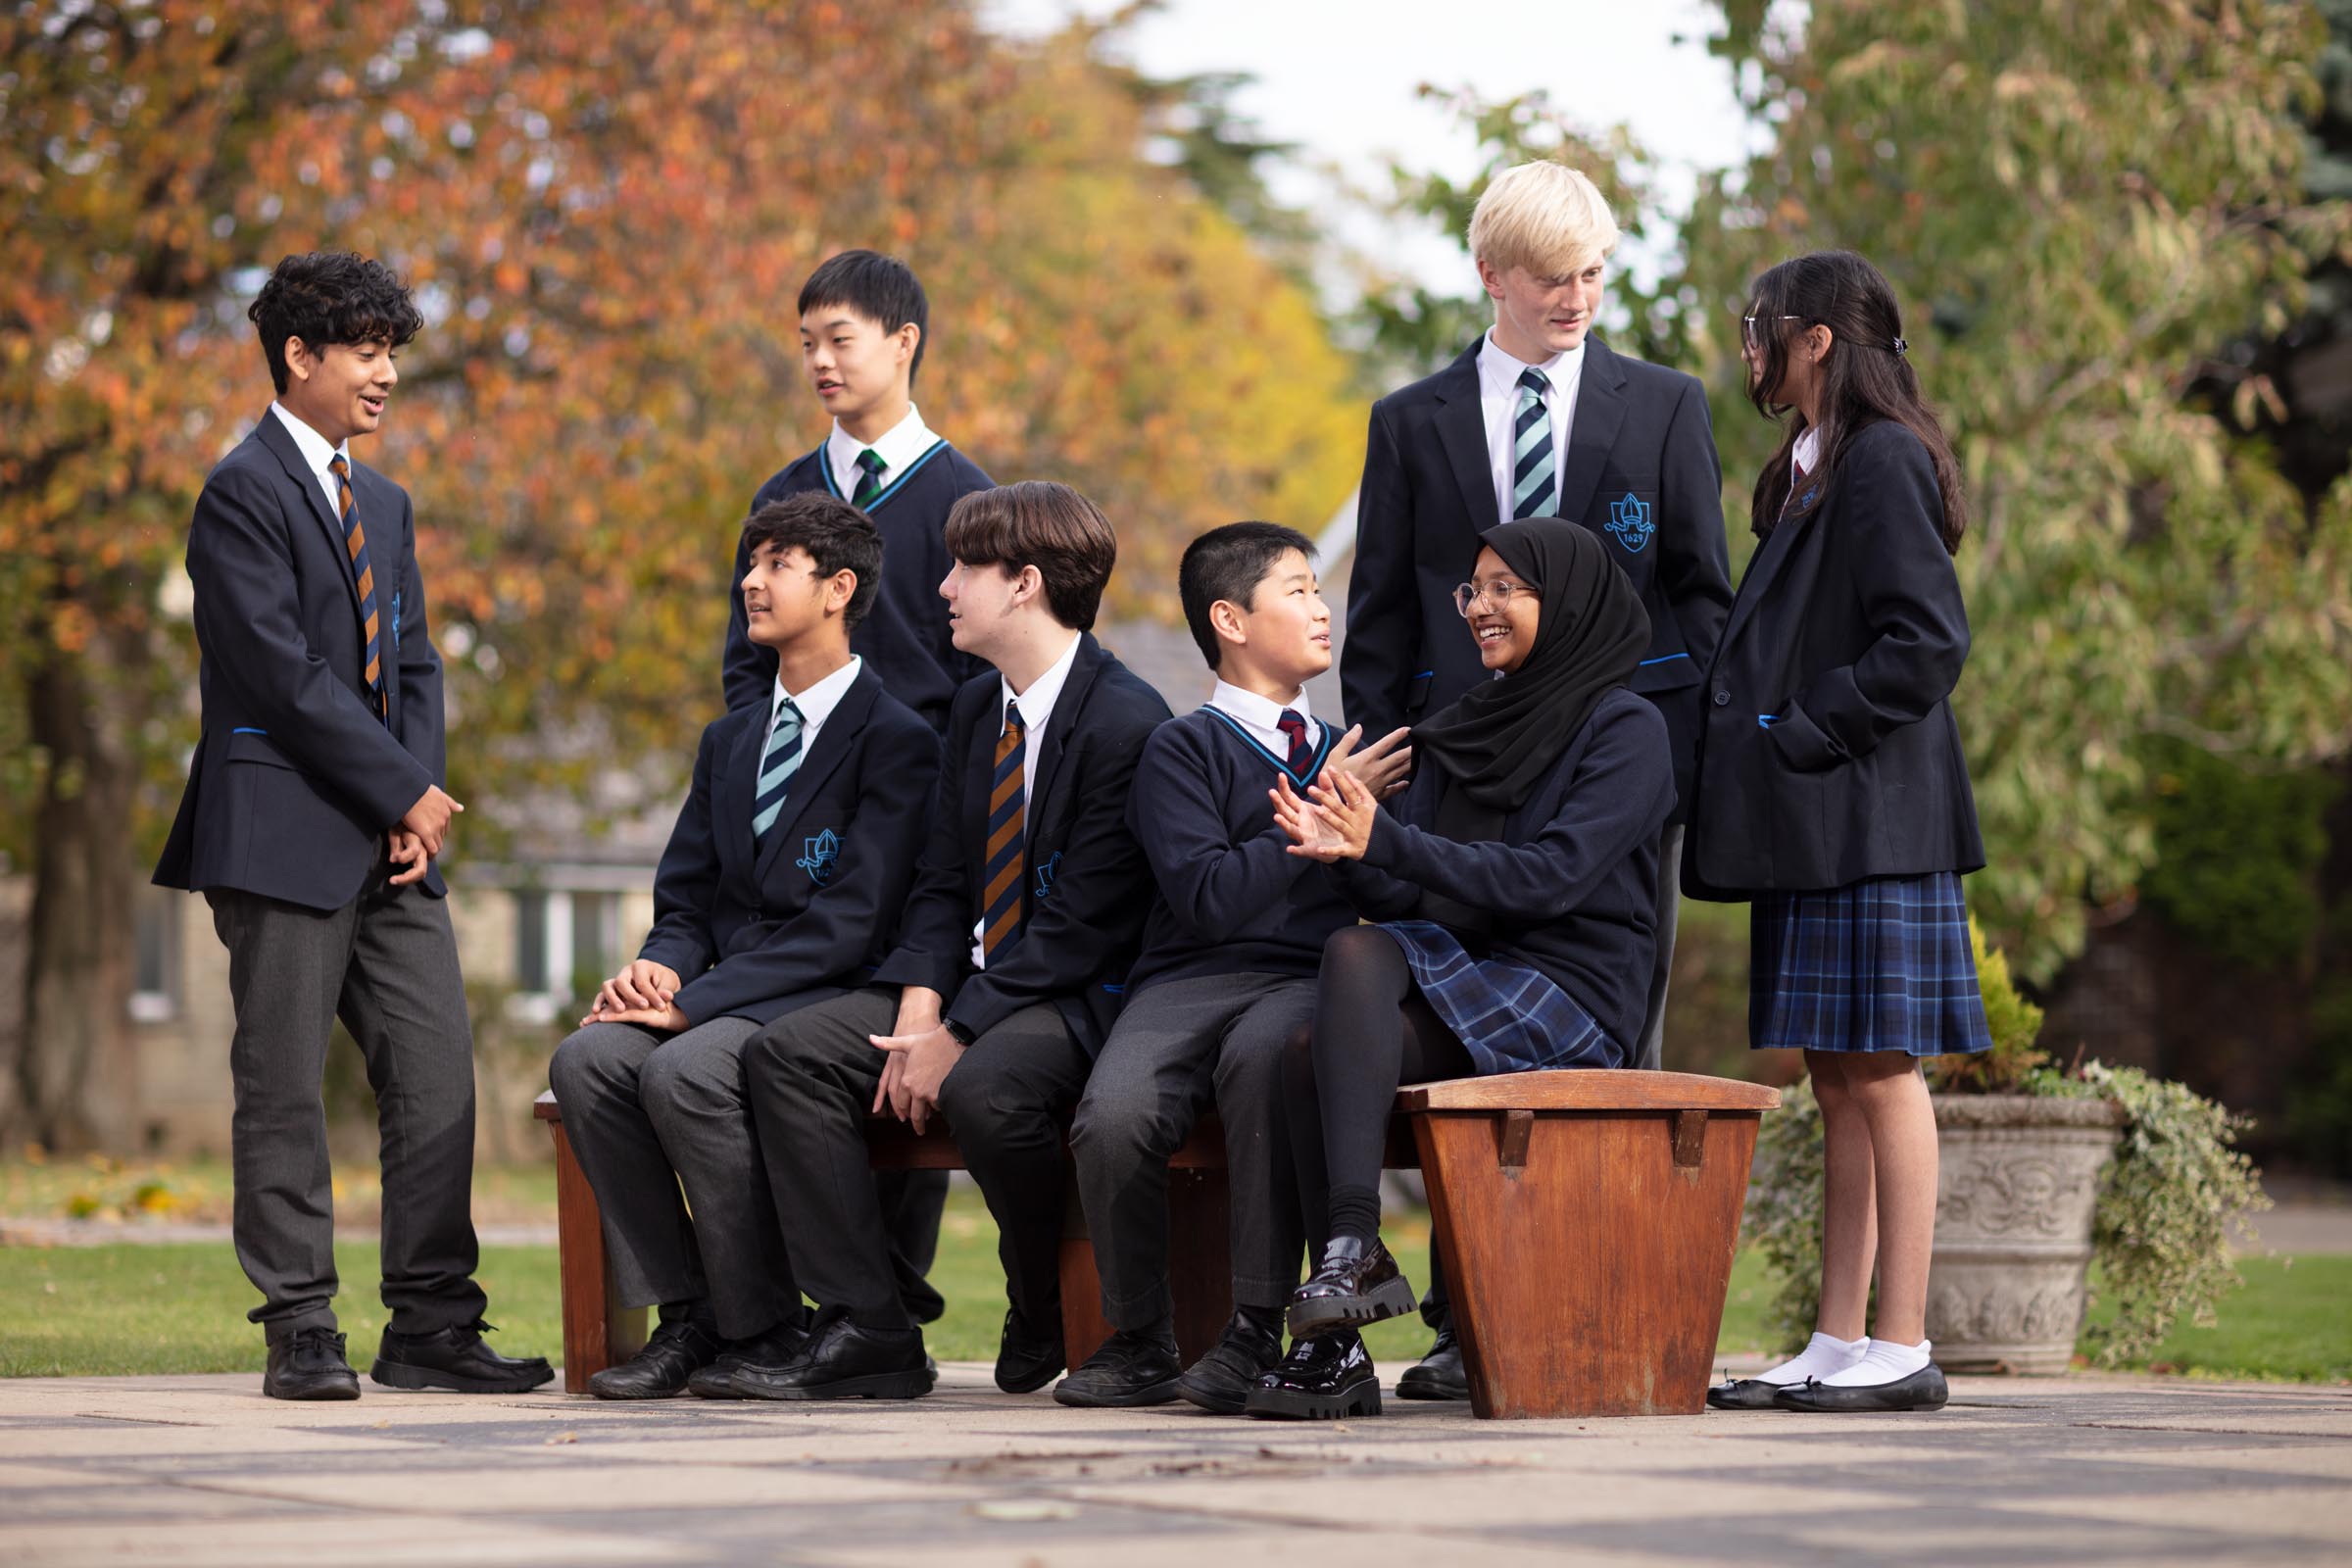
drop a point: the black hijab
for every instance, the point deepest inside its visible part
(1497, 743)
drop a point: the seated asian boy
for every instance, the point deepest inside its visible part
(1028, 913)
(780, 888)
(1227, 974)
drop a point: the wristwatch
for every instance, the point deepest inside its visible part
(963, 1036)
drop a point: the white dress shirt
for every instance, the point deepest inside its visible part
(1805, 456)
(317, 454)
(899, 445)
(1498, 403)
(1037, 710)
(1259, 716)
(815, 704)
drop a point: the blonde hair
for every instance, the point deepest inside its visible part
(1545, 217)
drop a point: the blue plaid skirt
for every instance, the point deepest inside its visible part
(1512, 1018)
(1882, 964)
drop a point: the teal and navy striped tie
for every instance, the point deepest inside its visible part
(869, 484)
(1532, 494)
(777, 763)
(1008, 837)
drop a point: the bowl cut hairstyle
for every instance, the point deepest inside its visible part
(881, 288)
(1228, 564)
(1043, 524)
(837, 536)
(1543, 217)
(330, 297)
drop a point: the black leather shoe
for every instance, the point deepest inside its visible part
(677, 1348)
(1439, 1375)
(1130, 1369)
(1328, 1378)
(309, 1364)
(1922, 1390)
(1354, 1285)
(1742, 1394)
(455, 1358)
(843, 1362)
(1250, 1347)
(1026, 1361)
(774, 1347)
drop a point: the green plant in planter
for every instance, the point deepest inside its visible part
(2161, 1229)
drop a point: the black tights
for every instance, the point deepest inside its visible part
(1373, 1031)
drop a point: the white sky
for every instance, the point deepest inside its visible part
(1339, 79)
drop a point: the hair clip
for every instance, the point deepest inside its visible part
(1900, 346)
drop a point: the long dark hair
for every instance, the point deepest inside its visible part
(1865, 378)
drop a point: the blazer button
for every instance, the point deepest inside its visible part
(1723, 698)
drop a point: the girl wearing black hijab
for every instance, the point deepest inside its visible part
(1515, 889)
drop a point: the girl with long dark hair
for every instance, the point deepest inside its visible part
(1516, 885)
(1834, 797)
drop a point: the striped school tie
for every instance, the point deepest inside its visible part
(1532, 494)
(355, 540)
(1007, 807)
(1294, 729)
(871, 485)
(777, 763)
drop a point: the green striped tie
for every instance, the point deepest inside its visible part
(869, 487)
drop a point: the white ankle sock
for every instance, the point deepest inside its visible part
(1883, 1362)
(1822, 1355)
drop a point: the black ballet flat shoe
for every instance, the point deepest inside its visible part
(1250, 1347)
(1744, 1394)
(1354, 1285)
(1439, 1375)
(1922, 1390)
(1328, 1378)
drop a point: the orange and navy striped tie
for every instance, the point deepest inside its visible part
(354, 539)
(1006, 838)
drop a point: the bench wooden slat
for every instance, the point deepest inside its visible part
(1589, 1089)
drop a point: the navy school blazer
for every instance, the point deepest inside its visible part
(1830, 753)
(1573, 881)
(295, 780)
(1641, 471)
(1086, 886)
(753, 929)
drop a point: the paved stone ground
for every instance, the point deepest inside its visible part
(2080, 1470)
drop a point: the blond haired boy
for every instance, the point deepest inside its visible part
(1537, 417)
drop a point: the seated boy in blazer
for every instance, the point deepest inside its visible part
(780, 888)
(1539, 418)
(1026, 914)
(313, 819)
(1226, 973)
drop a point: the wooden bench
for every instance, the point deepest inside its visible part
(1589, 1219)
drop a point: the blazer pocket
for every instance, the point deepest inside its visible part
(1802, 744)
(252, 746)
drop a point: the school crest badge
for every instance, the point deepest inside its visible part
(1630, 524)
(818, 855)
(1045, 875)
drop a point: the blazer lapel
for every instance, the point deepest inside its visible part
(279, 440)
(1600, 412)
(1463, 431)
(1762, 568)
(833, 743)
(734, 791)
(1067, 709)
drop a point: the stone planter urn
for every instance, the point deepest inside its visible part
(2013, 1215)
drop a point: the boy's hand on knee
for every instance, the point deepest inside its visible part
(925, 1062)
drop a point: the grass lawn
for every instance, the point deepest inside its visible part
(142, 1308)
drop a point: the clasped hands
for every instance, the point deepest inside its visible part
(1332, 820)
(921, 1053)
(417, 839)
(645, 994)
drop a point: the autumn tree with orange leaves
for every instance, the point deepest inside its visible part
(607, 210)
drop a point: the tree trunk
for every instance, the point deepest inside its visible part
(74, 1079)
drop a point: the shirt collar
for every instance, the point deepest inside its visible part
(1263, 711)
(1037, 703)
(899, 445)
(817, 703)
(1806, 454)
(310, 443)
(1498, 369)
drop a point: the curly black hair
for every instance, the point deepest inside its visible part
(837, 536)
(330, 297)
